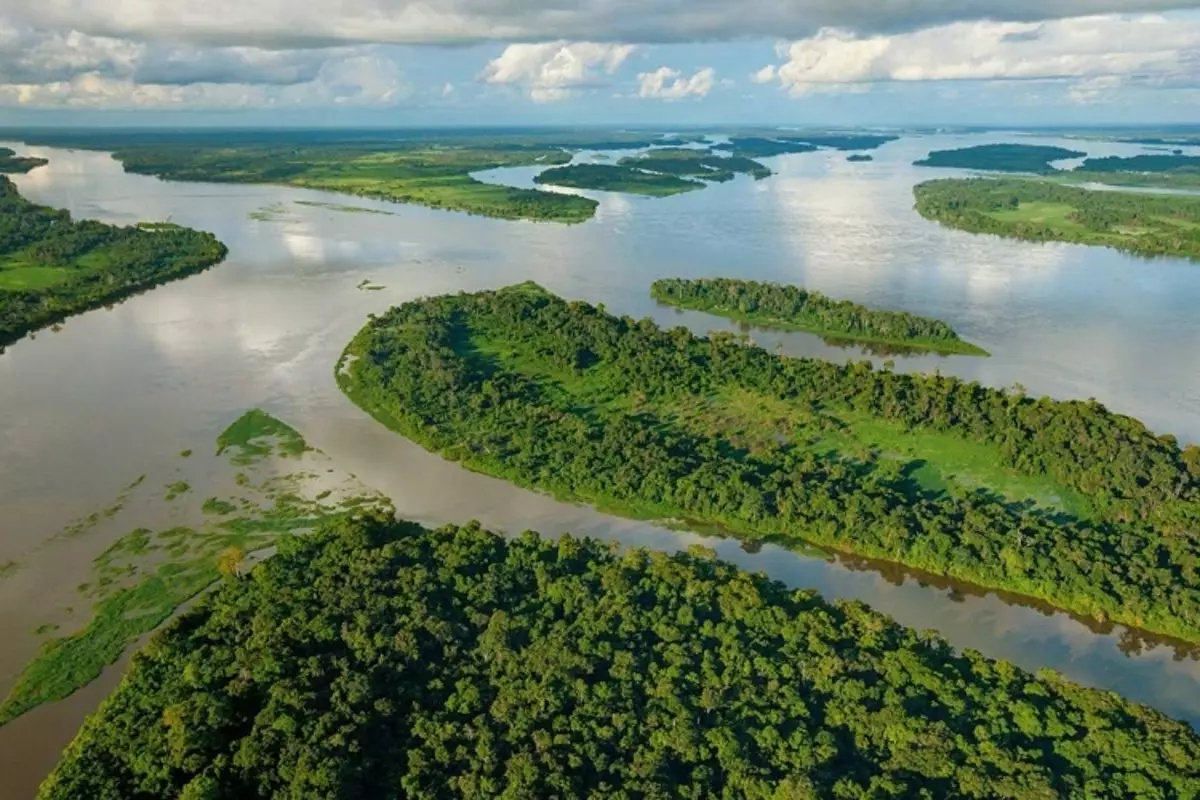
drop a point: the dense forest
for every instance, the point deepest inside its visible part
(1043, 211)
(855, 158)
(1142, 163)
(1000, 157)
(52, 266)
(759, 147)
(792, 307)
(10, 162)
(564, 397)
(376, 659)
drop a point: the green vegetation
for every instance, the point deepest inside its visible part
(1043, 211)
(1000, 157)
(10, 162)
(178, 489)
(1061, 501)
(793, 308)
(428, 174)
(855, 158)
(377, 659)
(758, 147)
(615, 178)
(344, 208)
(693, 163)
(218, 507)
(144, 576)
(8, 569)
(185, 453)
(52, 267)
(257, 435)
(1143, 163)
(657, 173)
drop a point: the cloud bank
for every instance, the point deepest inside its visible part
(555, 70)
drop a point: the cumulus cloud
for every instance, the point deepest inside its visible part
(278, 24)
(665, 83)
(764, 75)
(1083, 48)
(555, 70)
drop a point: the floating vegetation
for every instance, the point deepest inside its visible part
(177, 489)
(257, 435)
(344, 208)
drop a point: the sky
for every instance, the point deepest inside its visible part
(582, 62)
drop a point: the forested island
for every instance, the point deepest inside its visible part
(1044, 211)
(11, 163)
(616, 178)
(1000, 157)
(1061, 501)
(52, 266)
(378, 659)
(660, 172)
(792, 308)
(855, 158)
(777, 145)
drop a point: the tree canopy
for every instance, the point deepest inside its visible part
(565, 397)
(378, 659)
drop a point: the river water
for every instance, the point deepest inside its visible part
(117, 393)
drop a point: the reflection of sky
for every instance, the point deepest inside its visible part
(168, 369)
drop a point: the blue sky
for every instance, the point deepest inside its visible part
(660, 62)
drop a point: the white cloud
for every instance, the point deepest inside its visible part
(1081, 48)
(357, 79)
(764, 75)
(1094, 90)
(555, 70)
(665, 83)
(280, 24)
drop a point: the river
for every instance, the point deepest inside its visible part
(117, 393)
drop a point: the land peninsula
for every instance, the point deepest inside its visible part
(11, 163)
(792, 308)
(52, 267)
(379, 659)
(1045, 211)
(1061, 501)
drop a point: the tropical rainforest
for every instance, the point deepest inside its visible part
(1062, 501)
(52, 266)
(790, 307)
(379, 659)
(10, 162)
(1044, 211)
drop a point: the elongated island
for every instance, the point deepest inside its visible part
(1045, 211)
(378, 659)
(52, 267)
(12, 163)
(1063, 501)
(792, 308)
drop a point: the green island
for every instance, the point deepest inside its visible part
(616, 178)
(1175, 171)
(52, 267)
(430, 175)
(1044, 211)
(142, 578)
(856, 158)
(1000, 158)
(379, 659)
(792, 308)
(773, 144)
(10, 162)
(660, 172)
(1065, 502)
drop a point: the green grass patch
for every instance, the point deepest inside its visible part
(18, 278)
(218, 507)
(8, 569)
(257, 435)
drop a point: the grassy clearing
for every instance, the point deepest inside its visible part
(935, 463)
(18, 278)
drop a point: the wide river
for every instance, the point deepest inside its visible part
(118, 393)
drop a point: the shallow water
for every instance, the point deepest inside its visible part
(118, 393)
